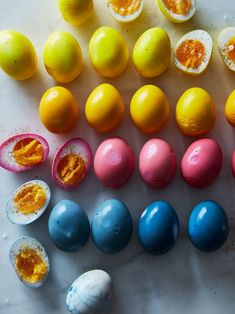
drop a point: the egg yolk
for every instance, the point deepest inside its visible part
(230, 49)
(28, 152)
(191, 53)
(178, 6)
(125, 7)
(30, 266)
(71, 169)
(29, 199)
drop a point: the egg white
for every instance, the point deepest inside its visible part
(181, 17)
(125, 18)
(223, 39)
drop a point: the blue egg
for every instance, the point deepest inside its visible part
(69, 227)
(111, 227)
(208, 226)
(158, 228)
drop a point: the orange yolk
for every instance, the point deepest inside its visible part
(28, 152)
(71, 169)
(30, 198)
(191, 53)
(230, 49)
(178, 6)
(30, 265)
(125, 7)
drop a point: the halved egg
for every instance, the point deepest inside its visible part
(125, 10)
(226, 46)
(193, 52)
(23, 152)
(28, 202)
(30, 261)
(177, 11)
(71, 163)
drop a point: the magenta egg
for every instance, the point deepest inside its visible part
(233, 163)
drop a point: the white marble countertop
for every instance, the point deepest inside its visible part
(182, 281)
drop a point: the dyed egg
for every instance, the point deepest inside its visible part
(30, 261)
(193, 52)
(111, 226)
(201, 163)
(208, 226)
(233, 163)
(125, 11)
(178, 11)
(195, 112)
(90, 293)
(226, 47)
(158, 228)
(23, 152)
(71, 163)
(157, 163)
(68, 226)
(230, 109)
(28, 202)
(114, 162)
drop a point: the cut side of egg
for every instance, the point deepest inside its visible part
(23, 152)
(28, 202)
(193, 52)
(125, 10)
(71, 163)
(177, 11)
(226, 47)
(30, 261)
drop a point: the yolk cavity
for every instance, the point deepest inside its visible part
(30, 266)
(28, 152)
(125, 7)
(178, 6)
(191, 53)
(230, 49)
(71, 169)
(30, 199)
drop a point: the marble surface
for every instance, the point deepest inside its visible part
(182, 281)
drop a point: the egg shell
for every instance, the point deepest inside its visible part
(208, 226)
(78, 146)
(7, 160)
(125, 18)
(157, 163)
(114, 162)
(68, 225)
(111, 226)
(201, 163)
(90, 293)
(233, 163)
(158, 228)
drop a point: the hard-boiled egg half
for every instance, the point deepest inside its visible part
(30, 261)
(177, 11)
(71, 163)
(28, 202)
(193, 52)
(125, 10)
(226, 46)
(23, 152)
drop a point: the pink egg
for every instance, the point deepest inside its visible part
(114, 162)
(233, 163)
(157, 163)
(201, 163)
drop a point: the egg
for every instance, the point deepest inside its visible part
(157, 163)
(62, 56)
(229, 109)
(208, 226)
(23, 152)
(201, 163)
(193, 51)
(68, 226)
(114, 162)
(226, 46)
(152, 52)
(28, 202)
(233, 163)
(125, 11)
(71, 163)
(108, 52)
(90, 293)
(30, 261)
(158, 228)
(195, 112)
(178, 11)
(111, 226)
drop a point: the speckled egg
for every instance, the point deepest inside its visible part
(111, 226)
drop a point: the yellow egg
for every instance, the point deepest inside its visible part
(152, 52)
(104, 108)
(230, 109)
(108, 52)
(149, 109)
(62, 57)
(195, 112)
(177, 11)
(17, 55)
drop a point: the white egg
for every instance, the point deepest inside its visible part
(175, 10)
(226, 47)
(35, 195)
(22, 246)
(119, 14)
(90, 293)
